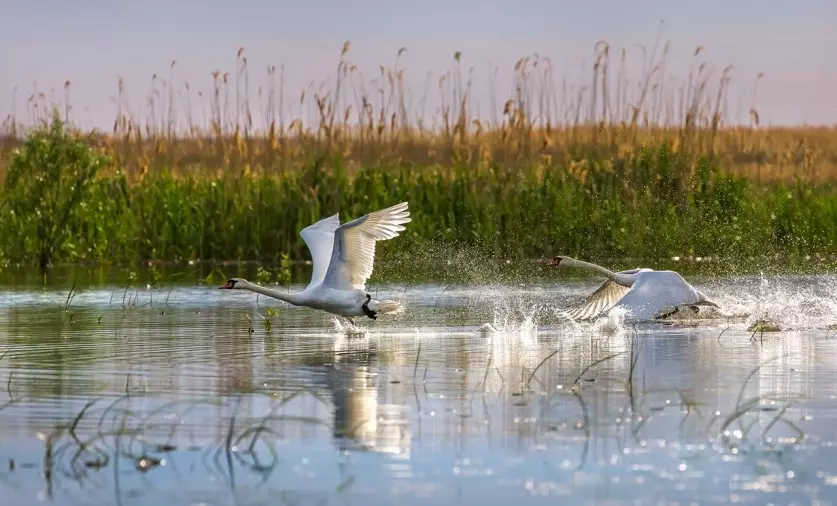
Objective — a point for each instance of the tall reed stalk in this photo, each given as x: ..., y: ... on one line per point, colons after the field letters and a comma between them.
x: 608, y: 168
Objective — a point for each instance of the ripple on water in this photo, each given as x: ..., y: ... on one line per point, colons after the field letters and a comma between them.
x: 199, y: 400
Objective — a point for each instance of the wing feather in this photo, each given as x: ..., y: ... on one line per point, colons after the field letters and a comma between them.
x: 353, y: 254
x: 605, y: 297
x: 319, y: 238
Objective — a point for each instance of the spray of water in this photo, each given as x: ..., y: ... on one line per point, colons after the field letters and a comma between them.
x: 347, y: 328
x: 789, y: 302
x: 510, y: 310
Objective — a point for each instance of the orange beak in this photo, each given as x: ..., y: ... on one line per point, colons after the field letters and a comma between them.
x: 227, y: 286
x: 554, y: 261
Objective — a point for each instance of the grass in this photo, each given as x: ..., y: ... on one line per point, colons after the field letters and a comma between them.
x: 613, y: 168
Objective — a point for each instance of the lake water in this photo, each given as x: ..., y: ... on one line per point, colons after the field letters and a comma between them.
x: 184, y: 395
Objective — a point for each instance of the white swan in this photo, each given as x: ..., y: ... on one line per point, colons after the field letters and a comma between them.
x: 343, y: 257
x: 645, y: 293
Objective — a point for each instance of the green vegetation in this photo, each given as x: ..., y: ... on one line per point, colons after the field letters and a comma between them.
x: 630, y: 178
x: 652, y: 204
x: 45, y: 189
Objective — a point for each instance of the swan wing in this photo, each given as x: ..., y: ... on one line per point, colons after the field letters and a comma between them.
x: 319, y: 238
x: 353, y: 254
x: 604, y: 298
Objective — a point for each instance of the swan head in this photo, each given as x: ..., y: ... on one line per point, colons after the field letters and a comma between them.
x: 233, y: 283
x: 556, y: 261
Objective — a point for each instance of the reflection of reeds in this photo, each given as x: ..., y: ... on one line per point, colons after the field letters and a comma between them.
x: 115, y: 433
x: 106, y: 434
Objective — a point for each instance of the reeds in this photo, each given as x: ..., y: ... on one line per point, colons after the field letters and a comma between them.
x: 652, y: 168
x: 379, y: 121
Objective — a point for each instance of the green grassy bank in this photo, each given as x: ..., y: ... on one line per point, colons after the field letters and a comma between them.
x: 60, y: 204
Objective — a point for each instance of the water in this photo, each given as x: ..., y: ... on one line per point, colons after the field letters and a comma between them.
x: 475, y: 394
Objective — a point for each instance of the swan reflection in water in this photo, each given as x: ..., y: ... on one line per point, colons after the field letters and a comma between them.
x: 361, y: 421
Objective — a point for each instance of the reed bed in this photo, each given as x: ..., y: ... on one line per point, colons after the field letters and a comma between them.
x: 612, y: 168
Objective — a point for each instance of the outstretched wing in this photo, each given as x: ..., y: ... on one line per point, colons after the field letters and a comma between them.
x: 319, y: 238
x: 353, y: 255
x: 604, y: 298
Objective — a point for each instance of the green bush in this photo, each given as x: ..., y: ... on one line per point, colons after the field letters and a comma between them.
x: 46, y: 185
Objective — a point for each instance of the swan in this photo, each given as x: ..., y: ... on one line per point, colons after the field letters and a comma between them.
x: 343, y: 257
x: 645, y: 293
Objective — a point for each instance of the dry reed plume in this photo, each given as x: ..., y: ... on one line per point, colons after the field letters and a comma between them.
x: 378, y: 121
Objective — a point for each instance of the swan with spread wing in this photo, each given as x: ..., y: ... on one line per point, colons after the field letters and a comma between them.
x: 343, y: 257
x: 644, y: 293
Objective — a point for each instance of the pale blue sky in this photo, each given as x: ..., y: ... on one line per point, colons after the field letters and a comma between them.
x: 90, y: 42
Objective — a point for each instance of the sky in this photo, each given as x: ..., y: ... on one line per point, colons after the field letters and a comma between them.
x: 92, y: 42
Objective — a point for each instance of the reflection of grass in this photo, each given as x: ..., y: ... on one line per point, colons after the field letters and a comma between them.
x: 49, y: 329
x: 637, y: 415
x: 115, y: 433
x: 108, y: 433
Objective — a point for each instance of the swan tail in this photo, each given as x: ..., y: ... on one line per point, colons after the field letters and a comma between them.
x: 385, y: 306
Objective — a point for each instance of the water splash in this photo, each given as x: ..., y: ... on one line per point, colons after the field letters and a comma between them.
x: 342, y: 326
x: 611, y: 323
x: 789, y: 302
x: 783, y: 301
x: 512, y: 312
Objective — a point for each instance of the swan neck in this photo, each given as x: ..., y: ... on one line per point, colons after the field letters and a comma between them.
x: 291, y: 298
x: 621, y: 279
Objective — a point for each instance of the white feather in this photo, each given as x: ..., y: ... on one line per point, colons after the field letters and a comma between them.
x: 604, y: 298
x: 319, y: 238
x: 353, y: 254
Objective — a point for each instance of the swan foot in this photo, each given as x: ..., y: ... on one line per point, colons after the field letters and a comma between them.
x: 368, y: 312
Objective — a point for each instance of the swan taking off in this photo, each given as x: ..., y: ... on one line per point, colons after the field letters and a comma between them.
x: 343, y: 257
x: 645, y: 294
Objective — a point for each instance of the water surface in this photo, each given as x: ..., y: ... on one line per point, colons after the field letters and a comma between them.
x: 185, y: 395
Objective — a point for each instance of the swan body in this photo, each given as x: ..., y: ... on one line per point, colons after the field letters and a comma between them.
x: 343, y: 258
x: 645, y: 294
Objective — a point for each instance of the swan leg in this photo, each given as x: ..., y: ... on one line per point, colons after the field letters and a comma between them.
x: 368, y: 312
